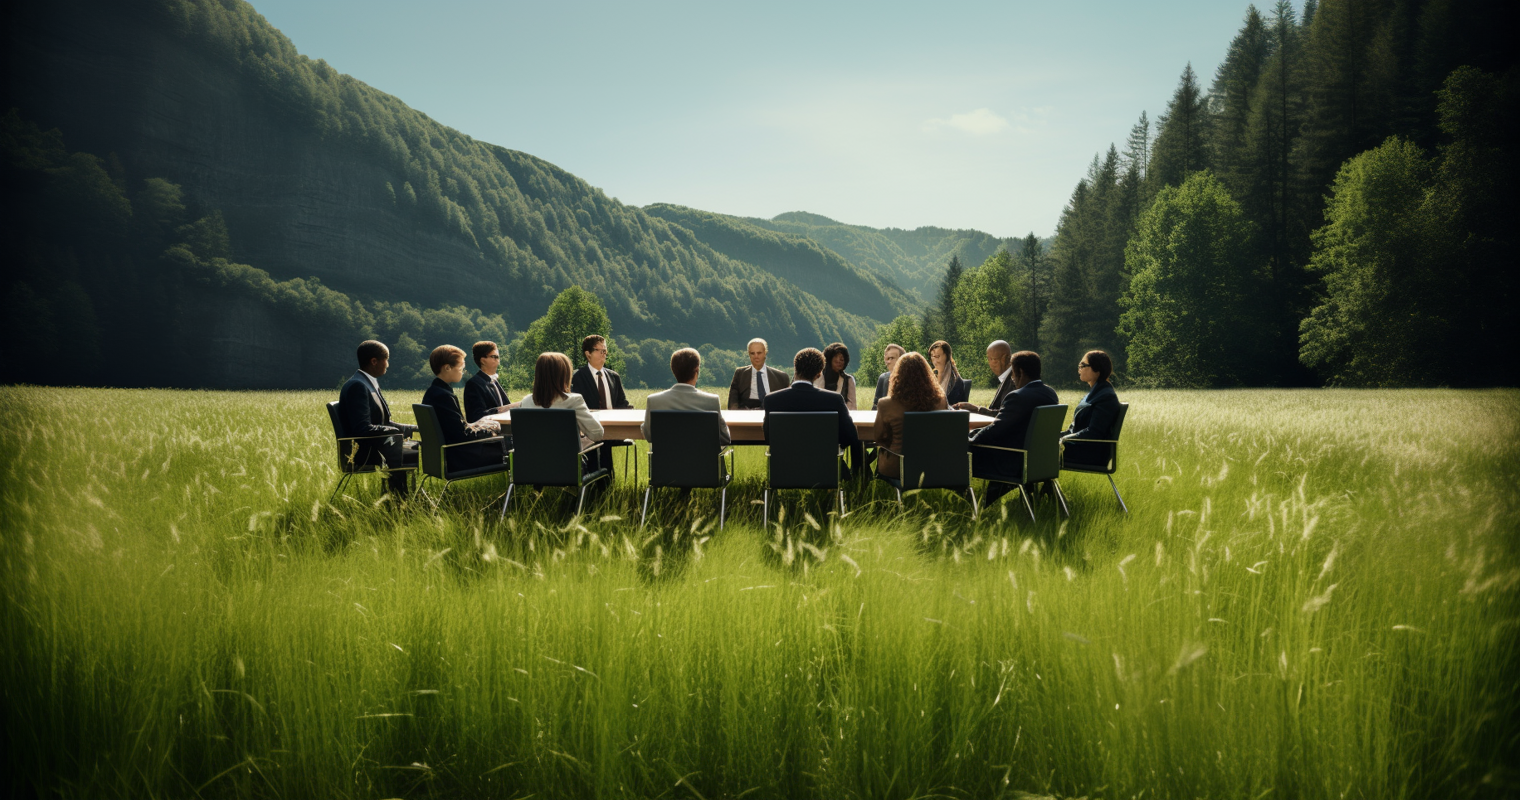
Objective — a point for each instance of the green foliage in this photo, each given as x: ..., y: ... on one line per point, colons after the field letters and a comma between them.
x: 1182, y: 135
x: 940, y: 320
x: 574, y: 315
x: 1321, y: 593
x: 1191, y: 314
x: 990, y: 303
x: 905, y: 331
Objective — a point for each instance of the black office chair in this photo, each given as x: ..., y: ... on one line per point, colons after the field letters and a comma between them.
x: 933, y: 454
x: 688, y: 443
x: 348, y: 448
x: 546, y: 451
x: 804, y: 453
x: 1109, y: 466
x: 435, y: 454
x: 1039, y: 460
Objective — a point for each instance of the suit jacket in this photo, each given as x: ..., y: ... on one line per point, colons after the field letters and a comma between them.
x: 685, y: 397
x: 804, y: 396
x: 883, y: 382
x: 445, y: 405
x: 482, y: 396
x: 1093, y: 419
x: 959, y: 393
x: 846, y: 388
x: 589, y: 427
x: 583, y: 383
x: 1010, y: 427
x: 889, y: 432
x: 738, y: 390
x: 363, y: 412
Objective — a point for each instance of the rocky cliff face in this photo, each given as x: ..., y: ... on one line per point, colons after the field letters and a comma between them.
x: 114, y: 81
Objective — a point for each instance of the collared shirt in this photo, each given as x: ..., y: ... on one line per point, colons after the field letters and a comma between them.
x: 600, y: 376
x: 1004, y: 377
x: 756, y: 381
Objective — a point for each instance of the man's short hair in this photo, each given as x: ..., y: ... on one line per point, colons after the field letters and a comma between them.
x: 684, y: 364
x: 590, y: 342
x: 370, y: 349
x: 895, y: 346
x: 481, y: 350
x: 808, y: 364
x: 1027, y: 363
x: 759, y: 341
x: 445, y: 355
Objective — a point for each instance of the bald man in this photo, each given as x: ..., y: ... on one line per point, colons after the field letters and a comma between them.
x: 1000, y: 363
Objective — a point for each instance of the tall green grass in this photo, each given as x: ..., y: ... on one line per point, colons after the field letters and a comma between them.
x: 1314, y: 595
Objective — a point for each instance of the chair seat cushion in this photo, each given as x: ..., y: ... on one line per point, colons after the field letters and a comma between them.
x: 618, y: 442
x: 1101, y: 469
x: 472, y: 472
x: 999, y: 477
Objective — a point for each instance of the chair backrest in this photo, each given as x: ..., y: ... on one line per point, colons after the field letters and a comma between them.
x: 965, y: 390
x: 545, y: 447
x: 1113, y: 461
x: 684, y: 449
x: 804, y: 449
x: 344, y: 448
x: 934, y: 450
x: 1042, y: 439
x: 432, y: 440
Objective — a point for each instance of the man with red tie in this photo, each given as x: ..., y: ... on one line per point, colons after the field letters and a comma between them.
x: 602, y: 388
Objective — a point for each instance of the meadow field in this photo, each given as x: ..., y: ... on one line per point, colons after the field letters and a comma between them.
x: 1316, y: 594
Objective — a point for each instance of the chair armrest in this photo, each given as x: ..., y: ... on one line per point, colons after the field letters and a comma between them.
x: 363, y: 438
x: 472, y: 441
x: 594, y: 445
x: 890, y: 450
x: 1091, y: 441
x: 995, y: 447
x: 725, y: 452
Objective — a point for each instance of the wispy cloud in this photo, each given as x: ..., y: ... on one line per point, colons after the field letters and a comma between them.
x: 981, y: 122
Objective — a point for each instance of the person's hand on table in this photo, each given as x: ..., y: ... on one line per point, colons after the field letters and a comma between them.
x: 966, y: 407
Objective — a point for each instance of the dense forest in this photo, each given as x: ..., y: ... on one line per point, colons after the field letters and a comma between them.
x: 320, y: 179
x: 1337, y: 207
x: 1332, y: 208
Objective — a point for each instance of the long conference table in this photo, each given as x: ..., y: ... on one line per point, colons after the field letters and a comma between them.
x: 744, y: 427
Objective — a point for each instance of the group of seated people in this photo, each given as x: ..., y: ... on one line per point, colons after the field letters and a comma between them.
x: 818, y: 382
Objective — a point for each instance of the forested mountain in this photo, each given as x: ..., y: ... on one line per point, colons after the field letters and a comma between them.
x: 800, y: 260
x: 914, y: 260
x: 1209, y: 238
x: 319, y: 177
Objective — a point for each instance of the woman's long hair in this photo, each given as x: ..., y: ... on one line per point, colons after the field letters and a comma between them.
x: 912, y: 384
x: 951, y: 374
x: 551, y: 378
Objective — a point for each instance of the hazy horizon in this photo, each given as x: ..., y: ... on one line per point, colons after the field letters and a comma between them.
x: 979, y: 116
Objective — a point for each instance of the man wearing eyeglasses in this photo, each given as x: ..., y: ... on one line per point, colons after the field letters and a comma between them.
x: 602, y: 388
x: 483, y: 394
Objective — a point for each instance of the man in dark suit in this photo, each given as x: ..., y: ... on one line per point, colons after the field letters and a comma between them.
x: 1000, y: 363
x: 884, y: 380
x: 1012, y: 422
x: 603, y: 390
x: 483, y: 393
x: 753, y: 383
x: 804, y: 396
x: 362, y: 410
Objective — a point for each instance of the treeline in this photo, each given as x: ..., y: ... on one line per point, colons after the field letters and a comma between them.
x: 1329, y: 210
x: 108, y: 284
x: 543, y: 228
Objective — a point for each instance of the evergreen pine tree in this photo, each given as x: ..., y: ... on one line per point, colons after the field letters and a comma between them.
x: 1181, y: 142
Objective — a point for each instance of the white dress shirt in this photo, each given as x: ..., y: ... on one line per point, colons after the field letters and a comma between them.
x: 755, y: 383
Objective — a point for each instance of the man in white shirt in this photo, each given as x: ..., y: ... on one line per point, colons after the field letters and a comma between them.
x: 603, y: 389
x: 751, y: 384
x: 1000, y: 363
x: 686, y: 365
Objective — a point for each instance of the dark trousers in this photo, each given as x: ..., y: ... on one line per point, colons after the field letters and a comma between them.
x: 394, y: 453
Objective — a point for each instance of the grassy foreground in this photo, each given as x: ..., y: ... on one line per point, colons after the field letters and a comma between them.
x: 1314, y: 595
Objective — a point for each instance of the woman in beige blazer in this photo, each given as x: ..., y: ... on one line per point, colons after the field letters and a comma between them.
x: 912, y: 387
x: 833, y: 378
x: 551, y: 389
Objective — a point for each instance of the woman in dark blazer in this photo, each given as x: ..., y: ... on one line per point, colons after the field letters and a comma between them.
x: 1095, y: 415
x: 448, y: 365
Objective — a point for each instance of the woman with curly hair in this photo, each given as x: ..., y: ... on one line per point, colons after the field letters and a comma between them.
x: 834, y: 379
x: 912, y: 388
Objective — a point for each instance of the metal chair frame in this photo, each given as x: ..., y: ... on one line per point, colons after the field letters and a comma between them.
x: 839, y: 456
x: 1054, y: 480
x: 346, y: 464
x: 1113, y: 460
x: 443, y: 462
x: 722, y: 491
x: 902, y: 461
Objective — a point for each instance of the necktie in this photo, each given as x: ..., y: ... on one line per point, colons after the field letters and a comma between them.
x: 601, y: 389
x: 759, y: 385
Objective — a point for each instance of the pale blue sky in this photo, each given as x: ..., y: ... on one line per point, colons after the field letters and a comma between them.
x: 963, y: 115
